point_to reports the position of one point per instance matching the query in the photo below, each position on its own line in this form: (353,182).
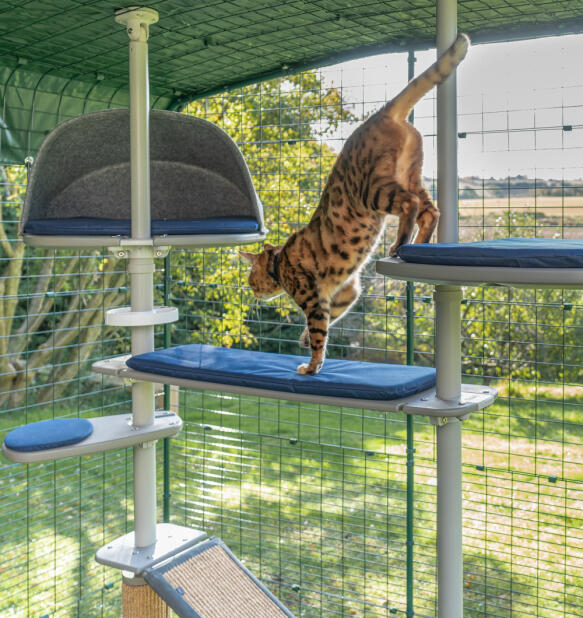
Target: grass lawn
(314,501)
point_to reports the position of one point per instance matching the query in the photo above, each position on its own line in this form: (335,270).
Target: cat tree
(153,551)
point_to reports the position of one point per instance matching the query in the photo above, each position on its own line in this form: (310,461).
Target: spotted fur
(377,173)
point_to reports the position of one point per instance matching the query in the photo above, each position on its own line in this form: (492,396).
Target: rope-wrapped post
(140,601)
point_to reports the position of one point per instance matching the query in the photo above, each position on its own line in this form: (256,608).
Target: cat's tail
(403,103)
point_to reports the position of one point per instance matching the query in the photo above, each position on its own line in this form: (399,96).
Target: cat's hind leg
(427,217)
(405,206)
(391,198)
(341,302)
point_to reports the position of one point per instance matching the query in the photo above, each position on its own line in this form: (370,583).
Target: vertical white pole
(141,266)
(447,341)
(449,450)
(447,179)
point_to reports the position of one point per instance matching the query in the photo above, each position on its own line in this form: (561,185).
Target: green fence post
(410,419)
(166,443)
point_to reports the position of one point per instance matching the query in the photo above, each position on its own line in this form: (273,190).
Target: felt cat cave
(79,187)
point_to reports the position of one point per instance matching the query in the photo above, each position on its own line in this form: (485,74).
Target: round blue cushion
(49,434)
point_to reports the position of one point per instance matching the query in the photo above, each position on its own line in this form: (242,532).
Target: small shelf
(124,316)
(109,433)
(171,539)
(567,278)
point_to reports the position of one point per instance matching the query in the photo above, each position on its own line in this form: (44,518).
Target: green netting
(202,47)
(33,103)
(314,498)
(77,49)
(303,491)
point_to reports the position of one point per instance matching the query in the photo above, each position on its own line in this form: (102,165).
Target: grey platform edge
(109,433)
(473,397)
(196,171)
(437,274)
(199,240)
(171,539)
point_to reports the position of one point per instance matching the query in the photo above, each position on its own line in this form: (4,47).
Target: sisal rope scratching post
(140,601)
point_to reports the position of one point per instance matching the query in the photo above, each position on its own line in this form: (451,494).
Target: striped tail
(403,103)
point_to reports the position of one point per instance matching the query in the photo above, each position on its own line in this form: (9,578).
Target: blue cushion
(49,434)
(509,252)
(278,372)
(97,226)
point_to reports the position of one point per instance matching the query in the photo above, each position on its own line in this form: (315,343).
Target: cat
(378,172)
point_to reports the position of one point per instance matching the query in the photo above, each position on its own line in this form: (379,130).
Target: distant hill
(474,187)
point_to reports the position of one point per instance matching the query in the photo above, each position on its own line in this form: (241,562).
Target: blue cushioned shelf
(278,372)
(98,226)
(512,262)
(48,434)
(59,437)
(506,252)
(79,191)
(347,383)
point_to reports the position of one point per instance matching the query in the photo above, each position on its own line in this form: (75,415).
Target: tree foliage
(279,126)
(51,305)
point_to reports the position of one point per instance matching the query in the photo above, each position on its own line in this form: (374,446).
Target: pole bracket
(126,246)
(473,397)
(137,21)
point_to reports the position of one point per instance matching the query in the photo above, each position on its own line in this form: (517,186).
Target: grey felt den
(79,187)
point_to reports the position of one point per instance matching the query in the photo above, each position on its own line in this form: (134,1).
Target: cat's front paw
(393,250)
(305,370)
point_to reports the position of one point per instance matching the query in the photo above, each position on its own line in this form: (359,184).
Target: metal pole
(449,486)
(141,266)
(447,179)
(447,340)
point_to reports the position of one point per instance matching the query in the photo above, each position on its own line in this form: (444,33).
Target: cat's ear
(268,247)
(248,257)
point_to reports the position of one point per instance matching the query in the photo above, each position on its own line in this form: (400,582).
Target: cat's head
(262,280)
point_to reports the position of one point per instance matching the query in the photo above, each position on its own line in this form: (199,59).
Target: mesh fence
(307,493)
(312,498)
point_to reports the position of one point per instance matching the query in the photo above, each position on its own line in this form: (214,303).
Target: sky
(514,99)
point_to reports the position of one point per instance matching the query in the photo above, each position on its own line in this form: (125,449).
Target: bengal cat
(378,172)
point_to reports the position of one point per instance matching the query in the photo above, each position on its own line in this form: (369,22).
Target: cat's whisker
(270,298)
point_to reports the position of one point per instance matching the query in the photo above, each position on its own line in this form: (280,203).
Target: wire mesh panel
(55,515)
(313,499)
(289,486)
(317,517)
